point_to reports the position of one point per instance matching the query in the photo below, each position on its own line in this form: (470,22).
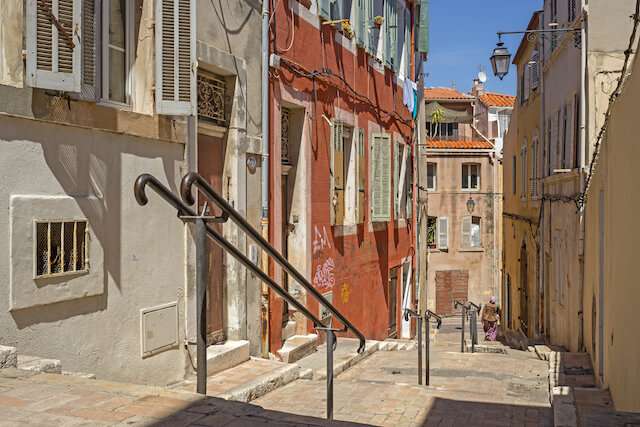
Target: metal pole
(330,341)
(427,345)
(201,290)
(472,329)
(464,314)
(420,349)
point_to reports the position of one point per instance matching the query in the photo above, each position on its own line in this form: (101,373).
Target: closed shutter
(466,232)
(393,35)
(362,176)
(423,33)
(409,186)
(443,233)
(407,43)
(361,14)
(381,178)
(324,9)
(337,173)
(175,57)
(53,40)
(89,31)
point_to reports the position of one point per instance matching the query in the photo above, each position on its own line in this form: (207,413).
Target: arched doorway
(524,290)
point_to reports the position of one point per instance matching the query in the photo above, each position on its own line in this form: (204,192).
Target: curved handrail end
(139,189)
(185,187)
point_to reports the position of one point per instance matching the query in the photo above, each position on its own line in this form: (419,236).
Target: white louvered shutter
(381,179)
(466,232)
(443,233)
(361,13)
(324,8)
(175,57)
(53,38)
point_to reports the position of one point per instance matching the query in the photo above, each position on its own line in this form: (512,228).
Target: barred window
(60,247)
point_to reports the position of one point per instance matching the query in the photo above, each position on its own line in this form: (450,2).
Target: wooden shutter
(362,176)
(337,173)
(53,40)
(396,178)
(89,49)
(175,57)
(393,35)
(408,186)
(381,178)
(423,33)
(466,232)
(324,9)
(443,233)
(361,14)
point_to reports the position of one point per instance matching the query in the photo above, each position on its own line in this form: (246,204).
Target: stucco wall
(450,201)
(143,246)
(611,237)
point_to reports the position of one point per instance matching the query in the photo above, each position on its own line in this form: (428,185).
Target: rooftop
(492,99)
(459,144)
(445,93)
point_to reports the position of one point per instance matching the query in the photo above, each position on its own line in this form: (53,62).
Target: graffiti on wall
(320,240)
(324,278)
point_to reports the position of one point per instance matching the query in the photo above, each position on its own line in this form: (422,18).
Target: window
(117,37)
(340,159)
(402,181)
(576,136)
(571,4)
(442,130)
(432,226)
(471,237)
(534,70)
(470,176)
(565,136)
(340,9)
(443,233)
(534,168)
(523,170)
(398,177)
(60,248)
(432,176)
(381,178)
(514,175)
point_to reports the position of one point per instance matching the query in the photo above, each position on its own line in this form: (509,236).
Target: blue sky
(463,35)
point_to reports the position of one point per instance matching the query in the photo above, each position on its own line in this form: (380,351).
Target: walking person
(490,318)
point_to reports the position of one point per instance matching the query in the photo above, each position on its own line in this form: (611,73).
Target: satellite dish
(482,76)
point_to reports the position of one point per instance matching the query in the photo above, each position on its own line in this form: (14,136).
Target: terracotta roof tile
(459,145)
(445,93)
(491,99)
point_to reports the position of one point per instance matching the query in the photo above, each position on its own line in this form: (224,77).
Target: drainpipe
(540,237)
(583,157)
(265,309)
(265,109)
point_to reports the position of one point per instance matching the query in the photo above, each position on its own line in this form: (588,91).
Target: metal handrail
(183,210)
(193,178)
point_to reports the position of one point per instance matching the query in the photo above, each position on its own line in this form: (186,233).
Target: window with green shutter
(381,178)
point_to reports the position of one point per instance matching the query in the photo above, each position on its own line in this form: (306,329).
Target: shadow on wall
(88,163)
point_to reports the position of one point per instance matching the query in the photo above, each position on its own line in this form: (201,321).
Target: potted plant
(347,30)
(378,21)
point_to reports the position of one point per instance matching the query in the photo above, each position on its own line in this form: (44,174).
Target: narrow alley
(466,389)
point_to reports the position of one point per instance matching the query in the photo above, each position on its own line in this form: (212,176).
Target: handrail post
(427,350)
(330,343)
(464,314)
(419,326)
(472,327)
(202,259)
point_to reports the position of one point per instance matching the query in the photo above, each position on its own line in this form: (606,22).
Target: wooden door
(524,291)
(451,285)
(285,242)
(210,166)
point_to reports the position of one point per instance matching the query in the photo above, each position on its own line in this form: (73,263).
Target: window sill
(472,190)
(471,250)
(436,250)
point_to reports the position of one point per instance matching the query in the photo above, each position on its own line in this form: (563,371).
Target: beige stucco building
(88,276)
(459,170)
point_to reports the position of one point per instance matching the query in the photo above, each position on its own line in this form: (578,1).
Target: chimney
(478,88)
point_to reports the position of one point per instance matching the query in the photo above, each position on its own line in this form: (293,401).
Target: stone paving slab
(40,399)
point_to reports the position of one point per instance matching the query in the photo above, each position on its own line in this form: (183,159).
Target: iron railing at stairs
(428,315)
(202,230)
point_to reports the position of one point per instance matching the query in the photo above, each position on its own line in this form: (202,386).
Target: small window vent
(60,248)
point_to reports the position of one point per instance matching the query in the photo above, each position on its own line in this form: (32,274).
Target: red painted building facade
(341,161)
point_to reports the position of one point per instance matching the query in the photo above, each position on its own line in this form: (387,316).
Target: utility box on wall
(158,329)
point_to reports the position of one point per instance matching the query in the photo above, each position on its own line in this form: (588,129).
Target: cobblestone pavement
(466,389)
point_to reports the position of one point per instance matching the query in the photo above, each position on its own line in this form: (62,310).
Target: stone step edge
(355,358)
(264,384)
(562,398)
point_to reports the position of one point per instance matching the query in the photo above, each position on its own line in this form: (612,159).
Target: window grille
(211,104)
(60,247)
(284,136)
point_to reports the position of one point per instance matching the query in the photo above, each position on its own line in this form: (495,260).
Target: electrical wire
(582,198)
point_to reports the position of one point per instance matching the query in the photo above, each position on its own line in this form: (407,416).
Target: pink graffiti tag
(324,278)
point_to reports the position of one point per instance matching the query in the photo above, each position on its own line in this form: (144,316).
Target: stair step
(345,356)
(39,364)
(297,347)
(247,381)
(221,357)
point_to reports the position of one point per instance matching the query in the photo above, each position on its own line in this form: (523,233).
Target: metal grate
(60,247)
(284,135)
(211,103)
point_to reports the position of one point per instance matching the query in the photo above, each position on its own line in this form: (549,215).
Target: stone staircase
(9,358)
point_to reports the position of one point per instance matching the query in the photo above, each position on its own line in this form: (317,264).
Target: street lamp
(471,205)
(500,60)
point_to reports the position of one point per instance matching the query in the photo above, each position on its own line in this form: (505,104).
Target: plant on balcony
(347,30)
(378,21)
